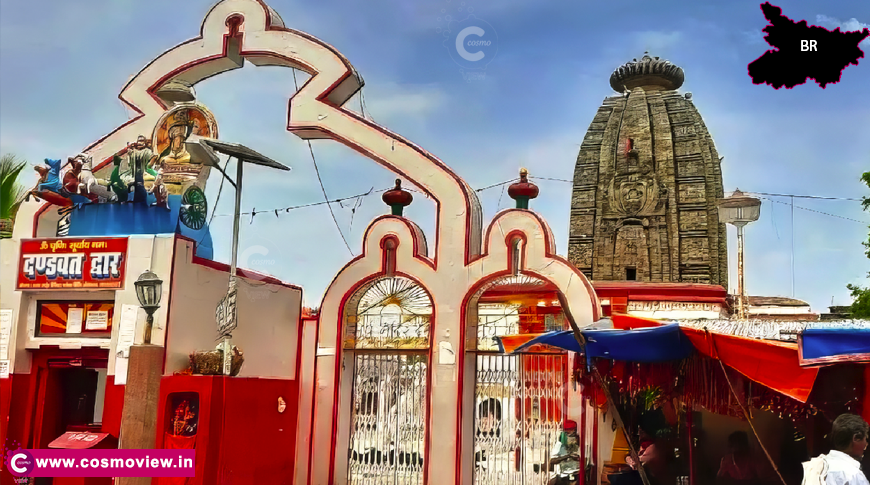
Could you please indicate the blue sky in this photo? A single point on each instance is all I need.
(62, 65)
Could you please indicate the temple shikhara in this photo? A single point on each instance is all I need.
(646, 183)
(475, 354)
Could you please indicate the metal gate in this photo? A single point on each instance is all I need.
(519, 411)
(388, 425)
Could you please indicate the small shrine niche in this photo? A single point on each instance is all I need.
(631, 153)
(184, 415)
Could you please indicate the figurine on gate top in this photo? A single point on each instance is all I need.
(160, 165)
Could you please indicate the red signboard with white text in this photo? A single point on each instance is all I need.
(72, 264)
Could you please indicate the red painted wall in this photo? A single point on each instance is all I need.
(113, 407)
(19, 395)
(865, 412)
(241, 438)
(5, 400)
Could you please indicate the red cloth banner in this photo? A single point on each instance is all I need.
(629, 322)
(773, 364)
(172, 442)
(72, 264)
(512, 342)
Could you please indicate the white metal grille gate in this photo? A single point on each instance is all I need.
(388, 425)
(518, 416)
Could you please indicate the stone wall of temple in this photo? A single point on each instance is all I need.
(646, 183)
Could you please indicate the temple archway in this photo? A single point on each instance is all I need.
(386, 350)
(515, 404)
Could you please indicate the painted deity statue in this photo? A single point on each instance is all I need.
(119, 186)
(140, 158)
(184, 421)
(161, 193)
(71, 177)
(178, 133)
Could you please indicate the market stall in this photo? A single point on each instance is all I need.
(696, 388)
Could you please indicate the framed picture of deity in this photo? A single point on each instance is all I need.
(178, 168)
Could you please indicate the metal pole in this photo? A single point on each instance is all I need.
(610, 402)
(741, 310)
(149, 323)
(616, 416)
(227, 345)
(236, 217)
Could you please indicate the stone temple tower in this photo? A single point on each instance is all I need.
(646, 183)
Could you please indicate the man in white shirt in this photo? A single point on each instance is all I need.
(842, 465)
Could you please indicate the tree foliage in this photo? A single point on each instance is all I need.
(860, 301)
(861, 296)
(11, 192)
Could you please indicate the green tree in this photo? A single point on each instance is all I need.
(11, 192)
(861, 296)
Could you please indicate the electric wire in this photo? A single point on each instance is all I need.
(320, 180)
(216, 201)
(796, 196)
(350, 197)
(501, 184)
(816, 211)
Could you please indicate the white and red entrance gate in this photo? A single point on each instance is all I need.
(388, 339)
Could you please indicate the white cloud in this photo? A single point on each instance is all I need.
(391, 101)
(753, 37)
(850, 25)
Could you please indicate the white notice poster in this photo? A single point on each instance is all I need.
(5, 331)
(4, 369)
(97, 320)
(126, 334)
(74, 320)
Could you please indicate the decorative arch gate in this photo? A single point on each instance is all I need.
(388, 332)
(520, 400)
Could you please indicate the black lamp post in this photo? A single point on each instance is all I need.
(149, 289)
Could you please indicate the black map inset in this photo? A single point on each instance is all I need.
(802, 51)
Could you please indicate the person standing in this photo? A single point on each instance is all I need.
(737, 467)
(650, 456)
(842, 466)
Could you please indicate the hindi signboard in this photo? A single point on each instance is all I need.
(72, 264)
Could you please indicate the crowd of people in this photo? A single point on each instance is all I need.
(740, 466)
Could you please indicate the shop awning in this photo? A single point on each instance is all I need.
(770, 363)
(655, 344)
(819, 346)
